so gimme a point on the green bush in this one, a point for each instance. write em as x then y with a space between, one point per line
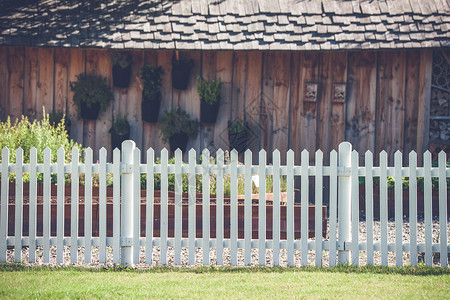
39 134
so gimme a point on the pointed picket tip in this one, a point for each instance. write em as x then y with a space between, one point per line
368 152
88 149
383 152
290 152
60 150
33 150
116 151
178 152
249 152
442 154
102 150
219 152
305 152
427 154
397 153
412 153
319 153
47 150
205 152
20 150
192 151
333 151
234 152
165 151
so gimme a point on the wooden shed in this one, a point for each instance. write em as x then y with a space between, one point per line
305 74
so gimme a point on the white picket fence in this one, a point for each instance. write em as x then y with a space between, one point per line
343 173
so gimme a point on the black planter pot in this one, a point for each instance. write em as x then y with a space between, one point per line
89 113
238 141
180 76
121 76
208 112
117 139
178 140
150 109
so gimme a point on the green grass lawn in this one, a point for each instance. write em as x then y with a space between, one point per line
17 281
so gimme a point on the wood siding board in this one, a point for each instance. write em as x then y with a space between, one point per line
89 126
412 101
296 104
224 70
281 103
324 100
361 101
339 75
4 111
31 82
252 101
423 120
240 69
208 72
44 97
61 86
76 66
267 100
15 81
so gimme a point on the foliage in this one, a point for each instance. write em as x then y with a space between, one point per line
39 134
121 59
177 121
237 126
151 78
120 125
90 89
56 117
210 91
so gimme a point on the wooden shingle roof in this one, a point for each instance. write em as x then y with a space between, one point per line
227 24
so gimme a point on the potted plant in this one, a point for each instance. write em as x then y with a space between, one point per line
91 95
151 92
121 68
120 131
181 69
238 135
56 117
176 127
210 93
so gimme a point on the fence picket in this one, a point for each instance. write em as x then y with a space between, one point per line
443 209
19 206
290 208
304 207
136 205
262 209
369 206
74 208
233 208
4 204
178 206
413 208
205 205
355 209
219 206
427 209
46 207
276 206
164 203
383 208
192 206
333 207
102 205
88 206
318 208
248 208
398 209
149 206
116 206
33 209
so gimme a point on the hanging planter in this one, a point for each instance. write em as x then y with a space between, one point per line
121 68
181 70
238 135
210 93
120 131
91 95
176 128
151 93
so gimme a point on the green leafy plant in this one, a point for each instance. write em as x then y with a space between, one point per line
121 59
120 125
56 117
91 89
176 121
151 79
210 91
237 126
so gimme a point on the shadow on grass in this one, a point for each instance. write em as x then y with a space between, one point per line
408 270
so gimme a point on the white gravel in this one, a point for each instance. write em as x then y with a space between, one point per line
269 262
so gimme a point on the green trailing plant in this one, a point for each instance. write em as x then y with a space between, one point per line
210 91
120 125
177 121
91 89
237 126
121 59
151 79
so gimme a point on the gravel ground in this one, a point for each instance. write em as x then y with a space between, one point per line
283 256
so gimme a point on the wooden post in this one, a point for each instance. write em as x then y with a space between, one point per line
127 206
344 201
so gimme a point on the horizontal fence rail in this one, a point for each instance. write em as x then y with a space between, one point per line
127 217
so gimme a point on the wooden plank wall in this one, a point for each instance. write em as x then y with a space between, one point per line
385 107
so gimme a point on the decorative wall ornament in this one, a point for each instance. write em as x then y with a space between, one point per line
310 92
339 93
